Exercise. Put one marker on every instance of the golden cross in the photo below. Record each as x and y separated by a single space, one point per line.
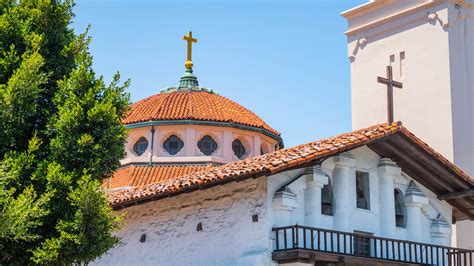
189 38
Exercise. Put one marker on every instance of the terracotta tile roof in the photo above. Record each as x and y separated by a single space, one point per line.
140 175
194 105
273 163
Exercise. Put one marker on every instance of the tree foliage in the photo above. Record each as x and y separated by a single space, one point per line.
60 135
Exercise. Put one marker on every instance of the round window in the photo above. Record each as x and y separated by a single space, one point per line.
140 146
207 145
173 145
238 148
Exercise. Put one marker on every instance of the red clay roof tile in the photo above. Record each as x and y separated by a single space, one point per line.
194 105
141 175
272 163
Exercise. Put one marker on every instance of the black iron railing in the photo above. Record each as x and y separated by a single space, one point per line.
362 245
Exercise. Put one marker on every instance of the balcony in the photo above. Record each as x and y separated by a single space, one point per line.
315 245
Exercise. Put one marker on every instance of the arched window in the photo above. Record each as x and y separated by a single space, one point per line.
399 209
173 145
140 146
362 190
238 148
327 199
207 145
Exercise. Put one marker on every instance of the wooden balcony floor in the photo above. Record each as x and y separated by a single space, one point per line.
324 258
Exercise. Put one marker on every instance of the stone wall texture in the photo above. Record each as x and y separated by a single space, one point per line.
229 236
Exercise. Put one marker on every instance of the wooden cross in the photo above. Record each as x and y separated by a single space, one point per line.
189 38
390 84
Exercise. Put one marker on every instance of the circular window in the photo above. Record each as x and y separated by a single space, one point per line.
140 146
207 145
238 148
173 145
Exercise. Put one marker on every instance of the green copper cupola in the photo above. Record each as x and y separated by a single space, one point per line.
188 79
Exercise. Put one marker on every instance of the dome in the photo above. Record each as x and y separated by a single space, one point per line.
198 106
186 129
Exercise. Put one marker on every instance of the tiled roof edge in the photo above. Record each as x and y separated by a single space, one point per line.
174 187
268 165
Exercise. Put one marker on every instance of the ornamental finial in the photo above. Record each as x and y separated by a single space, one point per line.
189 38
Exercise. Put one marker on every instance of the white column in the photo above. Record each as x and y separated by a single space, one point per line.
190 144
441 231
344 190
387 171
414 201
315 181
284 202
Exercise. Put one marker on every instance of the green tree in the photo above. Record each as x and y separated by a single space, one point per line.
60 135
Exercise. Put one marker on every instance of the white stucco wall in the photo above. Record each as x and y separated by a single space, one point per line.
228 236
360 219
424 102
437 71
461 40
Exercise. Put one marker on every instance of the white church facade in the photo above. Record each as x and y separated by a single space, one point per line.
205 181
430 46
338 200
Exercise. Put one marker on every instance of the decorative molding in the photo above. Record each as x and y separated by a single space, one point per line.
387 18
316 176
285 200
440 227
345 159
364 8
433 18
361 44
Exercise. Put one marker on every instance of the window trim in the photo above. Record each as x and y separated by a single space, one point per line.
137 143
328 186
243 149
366 189
173 137
404 210
214 145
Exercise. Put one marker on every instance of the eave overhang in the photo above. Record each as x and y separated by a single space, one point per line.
415 157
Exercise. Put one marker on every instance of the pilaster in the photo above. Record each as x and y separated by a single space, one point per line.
316 178
190 144
387 171
441 231
227 145
344 190
284 203
414 202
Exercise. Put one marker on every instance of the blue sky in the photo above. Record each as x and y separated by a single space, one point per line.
284 60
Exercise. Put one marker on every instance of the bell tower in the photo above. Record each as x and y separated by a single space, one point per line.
429 44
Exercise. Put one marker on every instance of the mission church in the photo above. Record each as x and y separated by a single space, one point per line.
206 181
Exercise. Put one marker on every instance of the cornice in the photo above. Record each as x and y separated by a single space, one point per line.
364 8
372 5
